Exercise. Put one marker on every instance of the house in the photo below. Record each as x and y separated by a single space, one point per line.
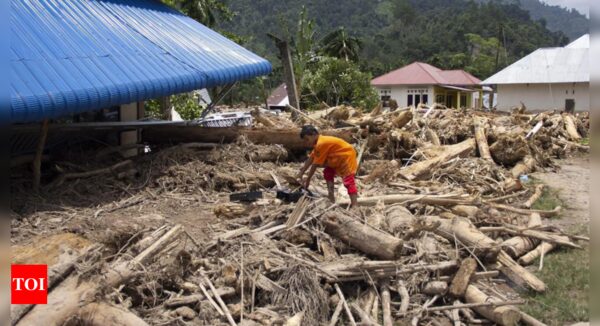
423 83
278 98
99 60
548 78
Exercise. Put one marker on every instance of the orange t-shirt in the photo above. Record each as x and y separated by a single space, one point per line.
335 153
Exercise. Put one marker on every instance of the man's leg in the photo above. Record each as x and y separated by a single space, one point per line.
350 184
329 175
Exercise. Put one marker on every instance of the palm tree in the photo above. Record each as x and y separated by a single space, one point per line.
341 45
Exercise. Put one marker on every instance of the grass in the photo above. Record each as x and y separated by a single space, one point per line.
585 141
549 199
567 276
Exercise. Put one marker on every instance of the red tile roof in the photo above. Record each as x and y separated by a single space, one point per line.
419 73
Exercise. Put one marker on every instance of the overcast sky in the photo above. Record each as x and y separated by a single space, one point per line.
583 6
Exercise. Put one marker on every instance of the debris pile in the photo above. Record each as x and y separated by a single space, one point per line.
443 234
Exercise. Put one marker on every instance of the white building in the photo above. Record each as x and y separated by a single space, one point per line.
423 83
547 79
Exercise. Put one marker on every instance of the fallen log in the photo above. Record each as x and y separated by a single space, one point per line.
423 168
461 229
435 288
539 190
80 175
541 235
461 280
519 275
518 246
386 304
402 119
67 298
481 138
348 271
527 165
432 137
542 213
504 315
571 127
362 237
529 320
439 200
289 137
565 142
540 250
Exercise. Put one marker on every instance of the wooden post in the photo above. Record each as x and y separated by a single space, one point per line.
288 72
37 161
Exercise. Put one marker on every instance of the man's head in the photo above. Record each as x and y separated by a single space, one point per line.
309 134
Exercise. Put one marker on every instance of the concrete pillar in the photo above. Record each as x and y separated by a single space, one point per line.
129 112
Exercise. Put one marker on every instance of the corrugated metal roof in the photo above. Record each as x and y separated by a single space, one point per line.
70 56
570 64
419 73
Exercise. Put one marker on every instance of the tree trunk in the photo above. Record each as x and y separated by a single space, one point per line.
505 315
461 280
289 138
539 190
362 237
424 168
402 119
527 165
518 274
481 139
461 229
518 246
441 200
531 256
571 127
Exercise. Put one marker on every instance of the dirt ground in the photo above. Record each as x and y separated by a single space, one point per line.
573 184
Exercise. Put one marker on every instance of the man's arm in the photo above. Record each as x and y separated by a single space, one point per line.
305 167
309 176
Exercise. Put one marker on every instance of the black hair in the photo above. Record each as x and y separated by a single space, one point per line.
308 130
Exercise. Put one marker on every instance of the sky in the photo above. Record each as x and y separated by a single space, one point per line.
583 6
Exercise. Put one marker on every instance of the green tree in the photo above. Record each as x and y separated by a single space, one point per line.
207 12
484 55
186 104
336 81
341 45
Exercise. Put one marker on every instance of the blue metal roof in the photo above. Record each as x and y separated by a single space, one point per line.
70 56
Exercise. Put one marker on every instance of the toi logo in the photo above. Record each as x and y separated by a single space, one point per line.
29 284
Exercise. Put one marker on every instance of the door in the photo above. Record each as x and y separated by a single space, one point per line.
570 105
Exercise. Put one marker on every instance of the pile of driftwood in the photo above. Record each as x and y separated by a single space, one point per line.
444 234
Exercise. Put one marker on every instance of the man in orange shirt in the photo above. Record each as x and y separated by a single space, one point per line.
336 156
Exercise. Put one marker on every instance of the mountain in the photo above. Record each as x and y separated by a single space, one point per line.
482 37
556 18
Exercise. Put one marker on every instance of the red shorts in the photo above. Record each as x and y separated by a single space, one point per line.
349 181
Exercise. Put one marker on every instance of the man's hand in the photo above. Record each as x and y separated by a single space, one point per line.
305 183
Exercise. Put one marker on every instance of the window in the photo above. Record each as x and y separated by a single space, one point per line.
417 99
463 101
440 99
425 98
409 101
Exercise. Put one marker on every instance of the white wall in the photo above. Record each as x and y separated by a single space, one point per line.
400 93
544 96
